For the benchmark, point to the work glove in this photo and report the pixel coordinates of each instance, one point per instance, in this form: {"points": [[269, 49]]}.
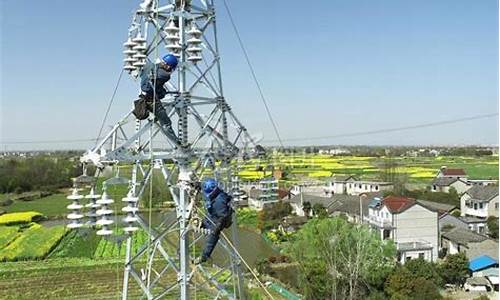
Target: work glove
{"points": [[218, 227]]}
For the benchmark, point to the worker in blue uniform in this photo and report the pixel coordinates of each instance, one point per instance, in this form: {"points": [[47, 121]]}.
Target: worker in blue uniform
{"points": [[219, 216], [153, 78]]}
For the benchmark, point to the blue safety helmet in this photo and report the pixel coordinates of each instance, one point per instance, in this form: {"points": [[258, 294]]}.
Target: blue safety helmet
{"points": [[209, 186], [170, 60]]}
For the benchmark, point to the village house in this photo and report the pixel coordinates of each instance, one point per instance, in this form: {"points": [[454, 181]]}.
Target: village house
{"points": [[302, 204], [448, 221], [484, 182], [267, 194], [459, 239], [291, 224], [441, 208], [444, 184], [480, 201], [413, 227], [485, 267], [351, 185], [446, 172]]}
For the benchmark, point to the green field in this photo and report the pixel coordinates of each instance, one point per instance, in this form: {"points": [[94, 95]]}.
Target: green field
{"points": [[33, 243], [51, 206], [80, 278], [320, 167]]}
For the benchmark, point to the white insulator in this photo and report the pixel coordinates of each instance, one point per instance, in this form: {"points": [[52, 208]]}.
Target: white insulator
{"points": [[129, 209], [74, 195], [139, 56], [105, 199], [176, 53], [129, 68], [130, 199], [130, 219], [172, 38], [92, 195], [194, 58], [139, 39], [171, 28], [129, 43], [105, 222], [173, 47], [130, 229], [194, 31], [75, 216], [104, 212], [74, 225], [104, 231], [74, 206], [129, 52], [139, 63], [140, 48], [194, 41], [194, 49], [129, 60]]}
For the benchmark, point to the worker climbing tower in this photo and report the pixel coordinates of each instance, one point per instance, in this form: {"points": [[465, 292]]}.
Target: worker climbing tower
{"points": [[210, 138]]}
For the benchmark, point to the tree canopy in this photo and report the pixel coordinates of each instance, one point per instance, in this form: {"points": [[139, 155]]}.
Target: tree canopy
{"points": [[337, 258]]}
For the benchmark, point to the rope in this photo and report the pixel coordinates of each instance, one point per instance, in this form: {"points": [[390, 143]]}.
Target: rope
{"points": [[109, 106], [261, 93], [239, 256]]}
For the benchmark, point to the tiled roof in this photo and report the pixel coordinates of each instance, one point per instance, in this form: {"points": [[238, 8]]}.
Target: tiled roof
{"points": [[255, 193], [343, 177], [453, 172], [439, 207], [463, 236], [480, 192], [397, 204], [443, 181]]}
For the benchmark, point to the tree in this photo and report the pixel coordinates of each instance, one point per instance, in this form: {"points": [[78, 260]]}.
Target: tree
{"points": [[319, 210], [454, 269], [424, 269], [271, 217], [492, 224], [337, 258], [403, 284]]}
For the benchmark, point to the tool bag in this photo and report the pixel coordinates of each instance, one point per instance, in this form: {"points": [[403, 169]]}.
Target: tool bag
{"points": [[140, 111]]}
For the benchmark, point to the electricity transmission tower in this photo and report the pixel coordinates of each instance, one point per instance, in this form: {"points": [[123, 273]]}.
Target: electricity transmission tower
{"points": [[211, 137]]}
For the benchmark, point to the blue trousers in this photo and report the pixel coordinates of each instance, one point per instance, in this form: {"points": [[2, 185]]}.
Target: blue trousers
{"points": [[212, 238]]}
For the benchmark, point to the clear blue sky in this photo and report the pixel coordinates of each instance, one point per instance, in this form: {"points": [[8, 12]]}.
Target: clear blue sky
{"points": [[327, 68]]}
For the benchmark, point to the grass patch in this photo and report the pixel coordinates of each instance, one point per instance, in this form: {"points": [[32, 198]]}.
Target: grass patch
{"points": [[77, 244], [247, 217], [51, 206]]}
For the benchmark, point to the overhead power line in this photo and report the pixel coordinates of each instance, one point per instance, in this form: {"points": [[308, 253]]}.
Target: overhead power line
{"points": [[252, 71], [388, 130], [360, 133]]}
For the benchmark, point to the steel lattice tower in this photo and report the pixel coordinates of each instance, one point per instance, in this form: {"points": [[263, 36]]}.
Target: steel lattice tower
{"points": [[211, 138]]}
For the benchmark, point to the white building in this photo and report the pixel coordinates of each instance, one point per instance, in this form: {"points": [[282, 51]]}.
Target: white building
{"points": [[265, 195], [452, 173], [480, 201], [444, 184], [413, 227], [350, 185]]}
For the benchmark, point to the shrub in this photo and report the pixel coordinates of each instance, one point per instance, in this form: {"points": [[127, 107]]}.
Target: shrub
{"points": [[20, 218]]}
